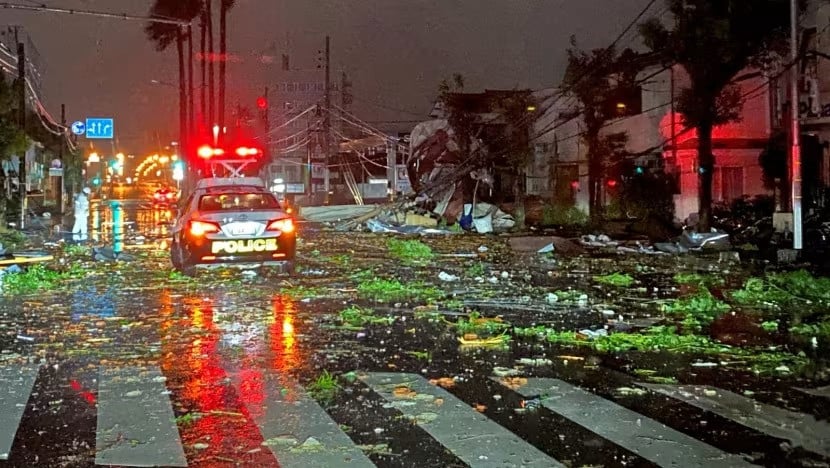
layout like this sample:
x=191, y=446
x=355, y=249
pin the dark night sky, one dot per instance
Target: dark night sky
x=395, y=51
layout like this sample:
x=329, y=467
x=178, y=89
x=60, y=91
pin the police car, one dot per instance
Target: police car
x=232, y=221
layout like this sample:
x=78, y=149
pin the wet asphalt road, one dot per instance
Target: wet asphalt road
x=135, y=366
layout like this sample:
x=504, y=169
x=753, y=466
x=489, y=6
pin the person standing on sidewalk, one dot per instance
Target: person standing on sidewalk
x=79, y=230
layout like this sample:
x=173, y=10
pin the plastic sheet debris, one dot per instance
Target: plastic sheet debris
x=444, y=276
x=695, y=241
x=378, y=226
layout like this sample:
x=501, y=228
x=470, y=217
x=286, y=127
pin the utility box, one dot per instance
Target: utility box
x=782, y=221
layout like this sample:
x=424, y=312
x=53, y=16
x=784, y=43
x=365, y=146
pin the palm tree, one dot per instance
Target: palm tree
x=165, y=34
x=203, y=67
x=223, y=54
x=208, y=9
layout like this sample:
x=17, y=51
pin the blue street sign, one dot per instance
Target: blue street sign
x=78, y=128
x=100, y=128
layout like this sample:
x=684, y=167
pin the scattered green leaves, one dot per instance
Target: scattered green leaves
x=11, y=240
x=324, y=388
x=38, y=278
x=616, y=279
x=701, y=306
x=698, y=279
x=410, y=251
x=358, y=317
x=393, y=290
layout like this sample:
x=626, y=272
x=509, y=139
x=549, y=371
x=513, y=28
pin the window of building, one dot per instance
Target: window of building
x=730, y=183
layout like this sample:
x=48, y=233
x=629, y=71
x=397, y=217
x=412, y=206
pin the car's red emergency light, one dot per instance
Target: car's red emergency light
x=245, y=151
x=208, y=152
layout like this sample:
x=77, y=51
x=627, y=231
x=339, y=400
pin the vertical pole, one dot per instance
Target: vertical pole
x=117, y=229
x=308, y=150
x=265, y=153
x=795, y=153
x=59, y=200
x=191, y=127
x=673, y=128
x=21, y=174
x=391, y=169
x=327, y=127
x=210, y=58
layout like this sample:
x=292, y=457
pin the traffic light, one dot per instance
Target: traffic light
x=262, y=103
x=611, y=183
x=96, y=181
x=639, y=170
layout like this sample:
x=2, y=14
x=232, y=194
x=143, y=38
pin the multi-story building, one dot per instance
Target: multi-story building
x=37, y=164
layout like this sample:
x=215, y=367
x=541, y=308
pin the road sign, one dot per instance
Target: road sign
x=100, y=128
x=78, y=128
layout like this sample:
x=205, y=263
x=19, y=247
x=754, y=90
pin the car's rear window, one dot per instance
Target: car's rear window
x=238, y=201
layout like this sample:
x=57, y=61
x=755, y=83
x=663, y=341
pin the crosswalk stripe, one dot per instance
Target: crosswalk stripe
x=800, y=429
x=823, y=392
x=294, y=427
x=136, y=424
x=468, y=434
x=646, y=437
x=17, y=384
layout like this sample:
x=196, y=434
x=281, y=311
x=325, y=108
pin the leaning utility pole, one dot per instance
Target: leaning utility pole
x=327, y=126
x=795, y=151
x=21, y=172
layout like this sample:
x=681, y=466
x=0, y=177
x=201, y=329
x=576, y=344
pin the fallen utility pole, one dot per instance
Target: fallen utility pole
x=103, y=14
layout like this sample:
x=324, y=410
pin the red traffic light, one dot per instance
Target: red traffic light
x=261, y=102
x=575, y=184
x=612, y=183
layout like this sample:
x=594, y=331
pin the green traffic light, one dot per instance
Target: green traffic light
x=639, y=170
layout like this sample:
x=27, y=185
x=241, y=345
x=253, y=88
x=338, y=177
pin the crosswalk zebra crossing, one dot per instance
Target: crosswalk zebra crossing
x=135, y=423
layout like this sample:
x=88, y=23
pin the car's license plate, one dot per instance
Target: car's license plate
x=241, y=229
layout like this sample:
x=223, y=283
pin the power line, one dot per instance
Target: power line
x=49, y=9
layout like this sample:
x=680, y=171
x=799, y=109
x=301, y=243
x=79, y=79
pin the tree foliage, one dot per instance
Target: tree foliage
x=162, y=35
x=12, y=139
x=714, y=40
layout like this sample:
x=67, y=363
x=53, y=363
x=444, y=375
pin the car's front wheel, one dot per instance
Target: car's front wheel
x=288, y=268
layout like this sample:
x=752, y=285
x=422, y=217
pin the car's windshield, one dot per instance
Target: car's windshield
x=238, y=202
